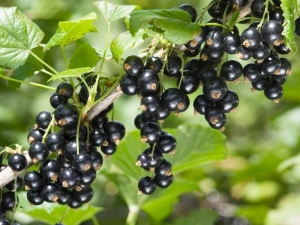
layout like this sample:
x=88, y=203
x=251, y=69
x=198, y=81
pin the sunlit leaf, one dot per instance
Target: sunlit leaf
x=18, y=36
x=71, y=73
x=289, y=12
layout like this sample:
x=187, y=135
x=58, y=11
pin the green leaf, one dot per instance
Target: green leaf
x=18, y=36
x=233, y=18
x=289, y=12
x=28, y=69
x=196, y=145
x=108, y=54
x=70, y=31
x=124, y=41
x=175, y=23
x=84, y=56
x=71, y=73
x=161, y=203
x=51, y=213
x=114, y=12
x=201, y=217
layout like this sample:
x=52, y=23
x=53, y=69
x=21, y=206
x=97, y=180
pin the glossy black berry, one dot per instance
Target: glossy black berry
x=262, y=51
x=50, y=192
x=34, y=135
x=55, y=100
x=285, y=67
x=231, y=70
x=100, y=120
x=173, y=99
x=164, y=169
x=215, y=40
x=64, y=90
x=200, y=104
x=277, y=14
x=147, y=185
x=66, y=115
x=162, y=113
x=17, y=162
x=70, y=134
x=251, y=72
x=87, y=178
x=164, y=181
x=55, y=143
x=231, y=43
x=215, y=89
x=210, y=54
x=43, y=119
x=213, y=114
x=191, y=10
x=150, y=132
x=16, y=184
x=189, y=82
x=282, y=49
x=237, y=3
x=149, y=82
x=63, y=162
x=33, y=180
x=70, y=149
x=98, y=137
x=84, y=94
x=217, y=10
x=271, y=32
x=154, y=63
x=8, y=200
x=258, y=8
x=4, y=222
x=273, y=91
x=271, y=65
x=74, y=204
x=191, y=52
x=129, y=85
x=229, y=103
x=166, y=143
x=196, y=42
x=65, y=196
x=244, y=53
x=173, y=66
x=34, y=197
x=38, y=152
x=69, y=178
x=150, y=103
x=97, y=159
x=50, y=170
x=82, y=162
x=211, y=27
x=260, y=84
x=133, y=65
x=115, y=131
x=83, y=196
x=251, y=38
x=206, y=74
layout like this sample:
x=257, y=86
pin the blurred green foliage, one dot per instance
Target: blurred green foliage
x=259, y=181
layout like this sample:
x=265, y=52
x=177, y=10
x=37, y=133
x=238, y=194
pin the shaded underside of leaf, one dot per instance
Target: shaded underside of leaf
x=289, y=13
x=18, y=36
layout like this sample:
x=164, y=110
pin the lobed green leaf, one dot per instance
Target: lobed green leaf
x=289, y=12
x=31, y=66
x=124, y=41
x=115, y=12
x=18, y=36
x=84, y=56
x=70, y=31
x=175, y=23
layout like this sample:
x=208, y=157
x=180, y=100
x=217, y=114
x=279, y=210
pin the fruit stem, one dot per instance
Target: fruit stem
x=43, y=62
x=64, y=56
x=48, y=129
x=29, y=83
x=264, y=15
x=165, y=61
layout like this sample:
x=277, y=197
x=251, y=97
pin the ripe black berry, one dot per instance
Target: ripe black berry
x=129, y=85
x=17, y=162
x=231, y=70
x=154, y=63
x=189, y=82
x=271, y=65
x=251, y=38
x=150, y=132
x=50, y=192
x=34, y=135
x=232, y=42
x=133, y=65
x=97, y=159
x=164, y=169
x=55, y=143
x=34, y=197
x=262, y=51
x=149, y=82
x=43, y=119
x=69, y=178
x=217, y=10
x=66, y=115
x=70, y=149
x=297, y=26
x=100, y=120
x=229, y=103
x=271, y=32
x=200, y=104
x=215, y=40
x=55, y=100
x=251, y=72
x=214, y=89
x=38, y=152
x=83, y=196
x=65, y=196
x=147, y=185
x=98, y=137
x=70, y=134
x=164, y=181
x=190, y=9
x=166, y=143
x=173, y=99
x=16, y=184
x=173, y=66
x=150, y=103
x=8, y=200
x=273, y=91
x=64, y=90
x=82, y=162
x=115, y=131
x=50, y=170
x=33, y=181
x=196, y=42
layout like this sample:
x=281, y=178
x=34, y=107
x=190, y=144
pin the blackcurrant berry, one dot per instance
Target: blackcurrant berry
x=82, y=162
x=252, y=72
x=63, y=162
x=64, y=90
x=100, y=120
x=262, y=51
x=8, y=200
x=133, y=65
x=129, y=85
x=251, y=38
x=50, y=170
x=213, y=55
x=260, y=84
x=17, y=162
x=273, y=91
x=164, y=169
x=150, y=103
x=34, y=197
x=189, y=82
x=237, y=3
x=33, y=181
x=115, y=131
x=55, y=100
x=206, y=74
x=34, y=135
x=55, y=143
x=277, y=14
x=282, y=49
x=16, y=184
x=164, y=181
x=191, y=10
x=84, y=94
x=244, y=53
x=166, y=143
x=196, y=42
x=65, y=196
x=297, y=26
x=97, y=159
x=173, y=99
x=215, y=40
x=271, y=65
x=150, y=132
x=43, y=119
x=271, y=32
x=231, y=70
x=70, y=134
x=71, y=149
x=83, y=196
x=215, y=89
x=66, y=115
x=229, y=103
x=217, y=10
x=214, y=114
x=38, y=152
x=173, y=66
x=149, y=82
x=231, y=43
x=147, y=185
x=69, y=178
x=200, y=104
x=154, y=63
x=98, y=137
x=50, y=192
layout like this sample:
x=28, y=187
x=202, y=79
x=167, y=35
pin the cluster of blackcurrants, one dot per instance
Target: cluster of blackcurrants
x=8, y=200
x=65, y=148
